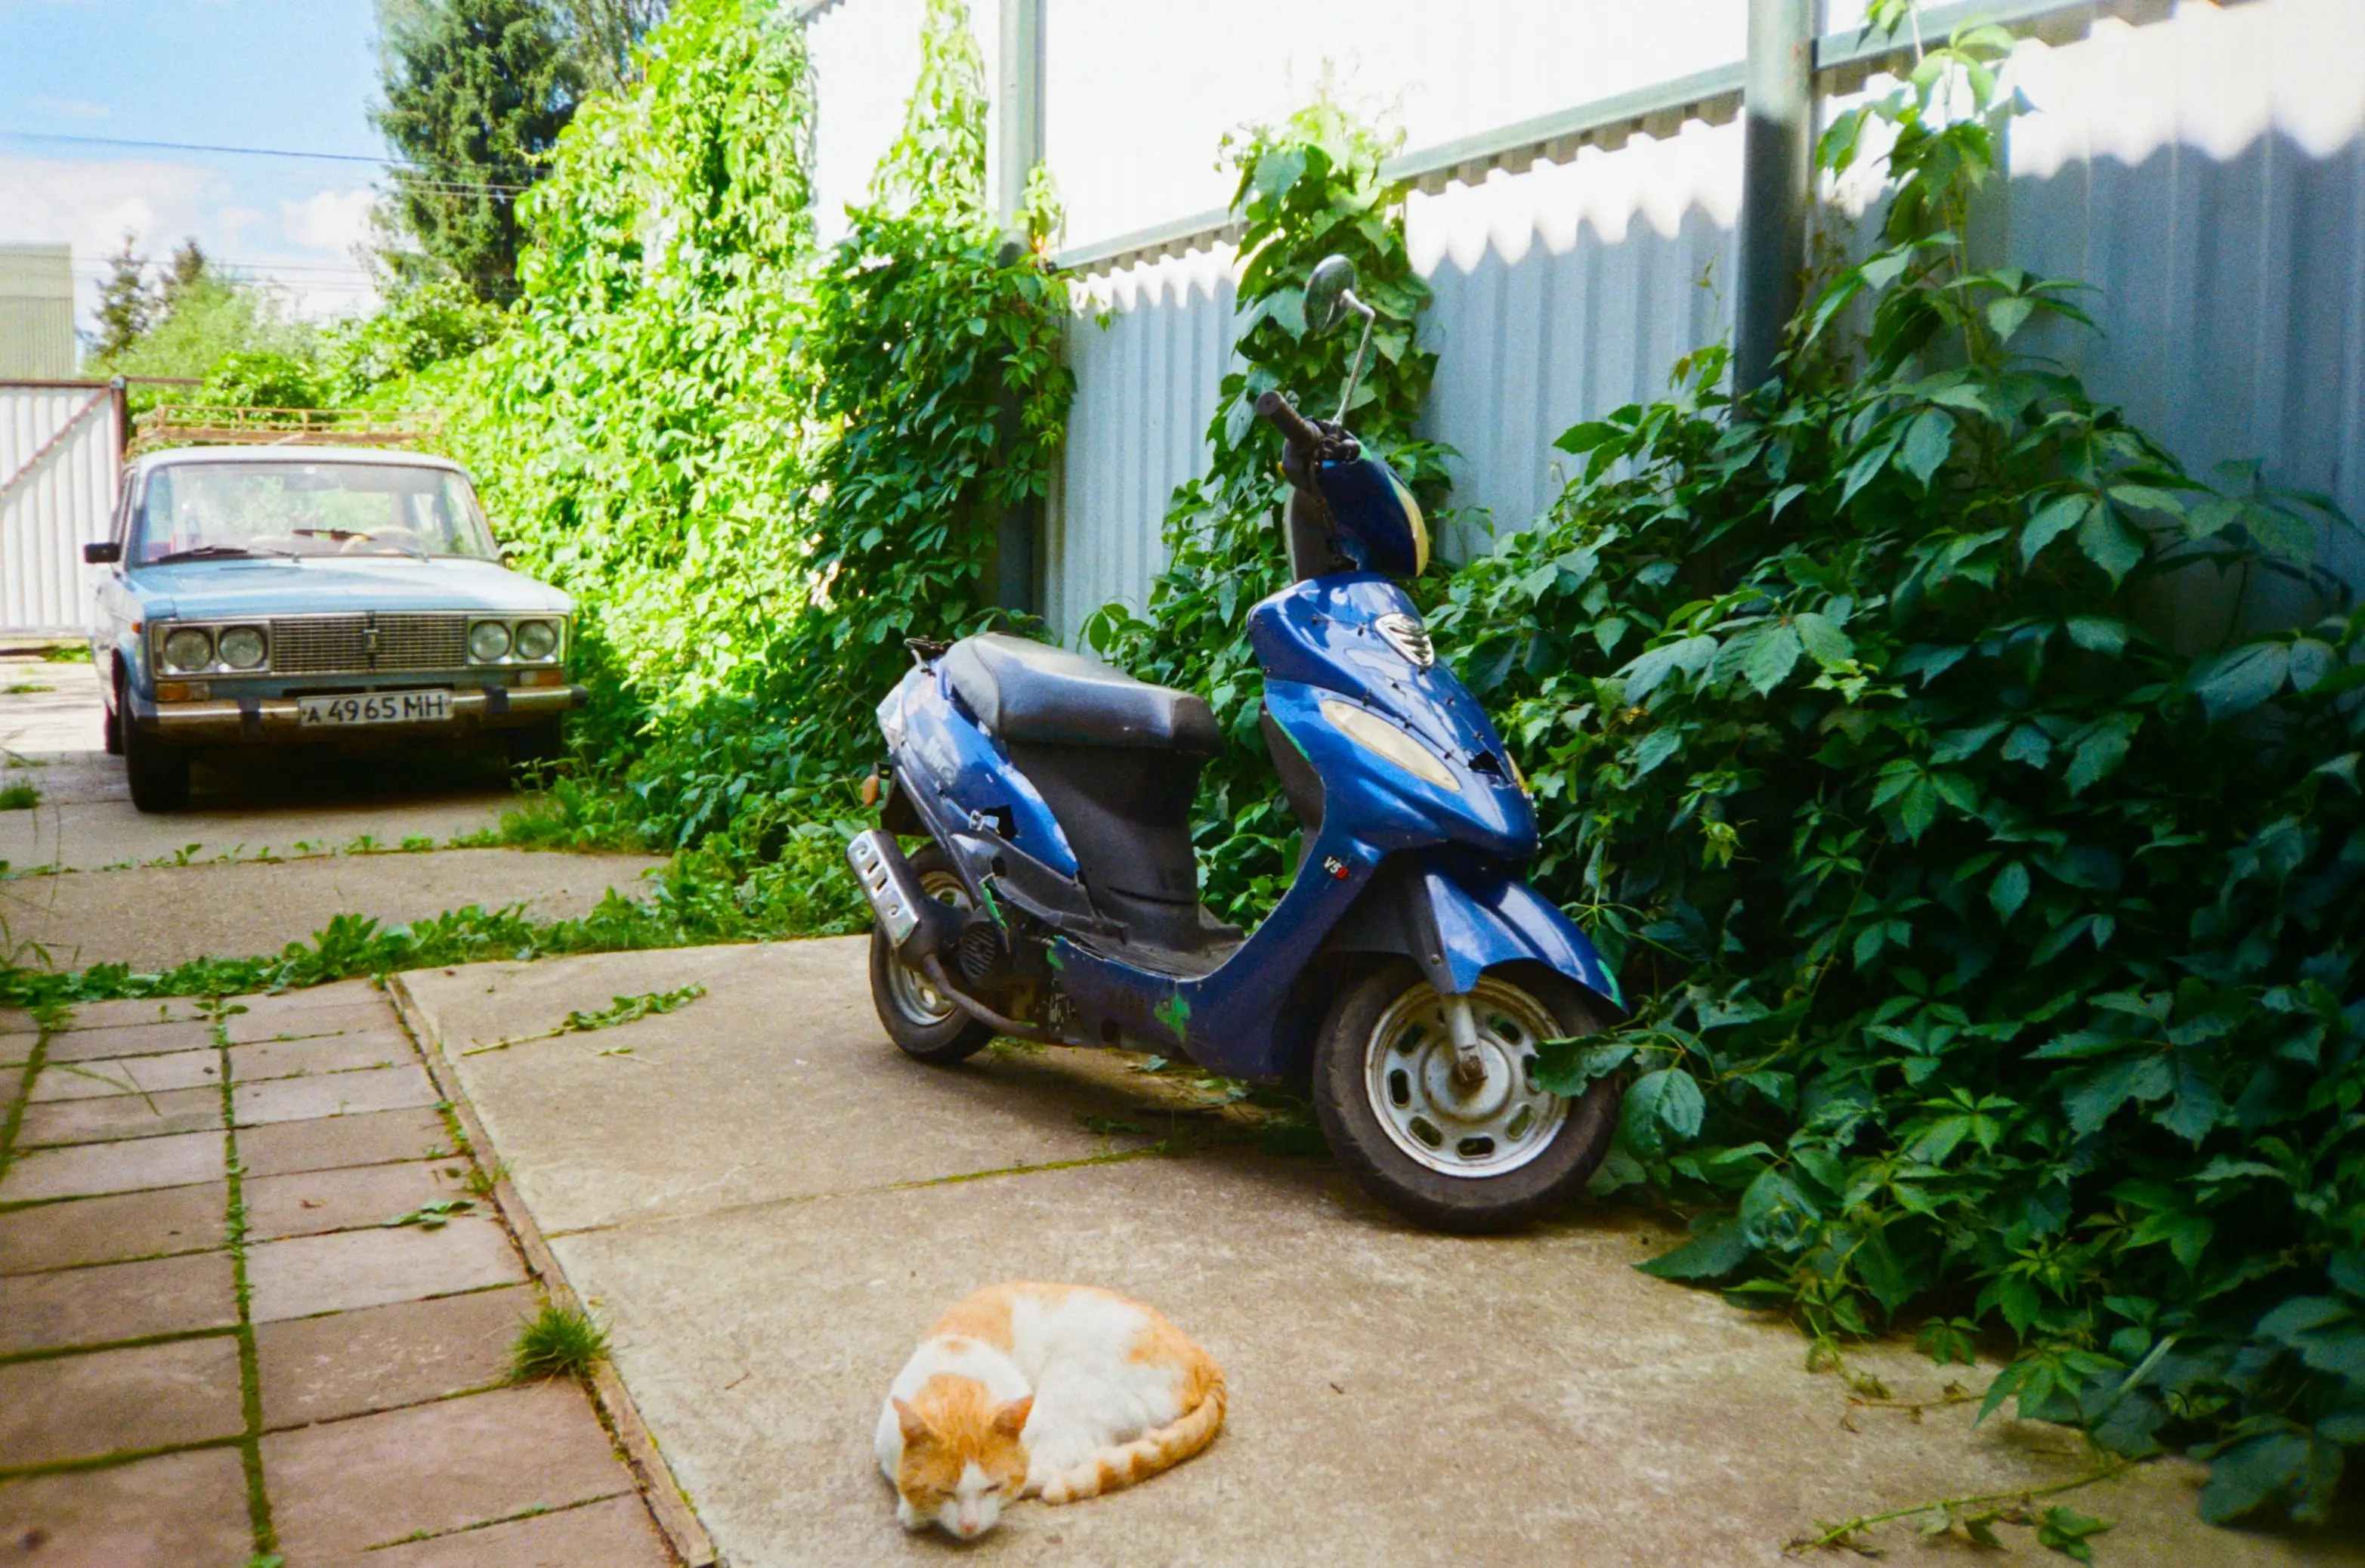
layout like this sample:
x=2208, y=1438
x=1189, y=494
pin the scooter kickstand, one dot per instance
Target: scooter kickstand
x=1469, y=1065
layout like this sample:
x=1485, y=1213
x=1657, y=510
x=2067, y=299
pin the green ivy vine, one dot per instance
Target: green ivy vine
x=1308, y=188
x=1998, y=936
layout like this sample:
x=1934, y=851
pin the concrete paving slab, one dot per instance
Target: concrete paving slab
x=777, y=1084
x=154, y=918
x=47, y=707
x=289, y=1014
x=65, y=1408
x=178, y=1510
x=132, y=1165
x=333, y=1094
x=381, y=1358
x=139, y=1010
x=95, y=1042
x=348, y=1269
x=388, y=1046
x=116, y=1300
x=1427, y=1399
x=17, y=1046
x=764, y=1263
x=348, y=1485
x=320, y=1200
x=128, y=1075
x=373, y=1016
x=372, y=1139
x=119, y=1117
x=107, y=1230
x=614, y=1534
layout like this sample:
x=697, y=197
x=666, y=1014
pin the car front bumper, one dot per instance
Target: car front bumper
x=277, y=719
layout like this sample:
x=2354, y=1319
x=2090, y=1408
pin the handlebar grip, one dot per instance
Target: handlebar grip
x=1274, y=409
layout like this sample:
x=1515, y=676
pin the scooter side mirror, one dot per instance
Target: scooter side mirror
x=1327, y=291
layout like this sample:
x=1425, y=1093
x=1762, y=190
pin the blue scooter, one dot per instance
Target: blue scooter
x=1409, y=970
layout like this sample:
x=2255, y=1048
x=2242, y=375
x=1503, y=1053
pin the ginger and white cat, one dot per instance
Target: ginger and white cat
x=1057, y=1390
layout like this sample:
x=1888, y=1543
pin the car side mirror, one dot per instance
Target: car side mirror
x=104, y=553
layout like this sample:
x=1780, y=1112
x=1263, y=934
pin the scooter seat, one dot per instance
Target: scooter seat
x=1022, y=690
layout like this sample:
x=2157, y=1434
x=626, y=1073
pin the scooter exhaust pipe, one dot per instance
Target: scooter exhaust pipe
x=917, y=926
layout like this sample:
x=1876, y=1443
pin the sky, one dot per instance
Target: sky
x=293, y=75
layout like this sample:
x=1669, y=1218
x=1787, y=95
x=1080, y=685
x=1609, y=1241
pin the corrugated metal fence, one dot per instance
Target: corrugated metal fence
x=60, y=443
x=2203, y=169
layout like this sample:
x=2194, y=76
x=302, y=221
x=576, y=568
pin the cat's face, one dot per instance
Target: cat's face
x=961, y=1464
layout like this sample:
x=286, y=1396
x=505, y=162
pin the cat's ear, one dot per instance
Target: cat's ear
x=915, y=1426
x=1011, y=1420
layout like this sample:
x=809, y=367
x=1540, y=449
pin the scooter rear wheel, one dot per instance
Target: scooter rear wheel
x=921, y=1021
x=1484, y=1157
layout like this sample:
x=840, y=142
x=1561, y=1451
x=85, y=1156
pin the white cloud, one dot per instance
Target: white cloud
x=305, y=247
x=336, y=222
x=69, y=108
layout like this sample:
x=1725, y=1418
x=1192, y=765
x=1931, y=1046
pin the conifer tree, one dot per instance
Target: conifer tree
x=476, y=92
x=125, y=308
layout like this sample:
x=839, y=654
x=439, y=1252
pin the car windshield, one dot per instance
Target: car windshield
x=308, y=509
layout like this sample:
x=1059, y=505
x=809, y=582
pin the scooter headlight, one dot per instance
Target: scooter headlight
x=1375, y=734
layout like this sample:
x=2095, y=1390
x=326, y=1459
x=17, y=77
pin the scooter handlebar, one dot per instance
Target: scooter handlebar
x=1274, y=409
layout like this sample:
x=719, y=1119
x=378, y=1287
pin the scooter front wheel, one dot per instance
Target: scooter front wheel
x=924, y=1022
x=1458, y=1151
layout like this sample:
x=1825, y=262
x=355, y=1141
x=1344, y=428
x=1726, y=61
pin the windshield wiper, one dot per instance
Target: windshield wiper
x=211, y=551
x=343, y=533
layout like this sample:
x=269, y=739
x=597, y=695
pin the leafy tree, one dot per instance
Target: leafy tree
x=210, y=316
x=477, y=93
x=125, y=306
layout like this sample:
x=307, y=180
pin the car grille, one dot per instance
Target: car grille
x=324, y=644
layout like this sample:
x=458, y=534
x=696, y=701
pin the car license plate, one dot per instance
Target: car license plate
x=375, y=708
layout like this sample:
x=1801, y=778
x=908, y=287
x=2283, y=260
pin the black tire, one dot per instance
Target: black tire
x=159, y=773
x=110, y=729
x=1471, y=1204
x=939, y=1038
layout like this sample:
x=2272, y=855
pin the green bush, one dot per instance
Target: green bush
x=1998, y=944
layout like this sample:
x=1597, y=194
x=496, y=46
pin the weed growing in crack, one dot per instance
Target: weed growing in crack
x=557, y=1343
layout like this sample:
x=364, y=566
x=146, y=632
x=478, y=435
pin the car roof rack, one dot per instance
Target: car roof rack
x=191, y=424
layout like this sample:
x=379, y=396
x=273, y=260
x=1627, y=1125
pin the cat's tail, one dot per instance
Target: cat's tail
x=1113, y=1469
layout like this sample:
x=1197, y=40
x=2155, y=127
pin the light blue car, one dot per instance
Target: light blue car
x=306, y=595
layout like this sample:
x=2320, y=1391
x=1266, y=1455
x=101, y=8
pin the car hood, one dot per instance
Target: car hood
x=330, y=585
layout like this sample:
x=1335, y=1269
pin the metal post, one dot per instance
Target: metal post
x=1014, y=137
x=1013, y=145
x=1776, y=149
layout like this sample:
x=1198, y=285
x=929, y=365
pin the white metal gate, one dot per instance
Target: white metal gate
x=60, y=446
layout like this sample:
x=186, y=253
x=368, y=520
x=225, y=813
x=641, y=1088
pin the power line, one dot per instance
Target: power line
x=401, y=165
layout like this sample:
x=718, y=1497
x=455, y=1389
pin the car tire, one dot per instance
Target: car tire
x=110, y=730
x=159, y=773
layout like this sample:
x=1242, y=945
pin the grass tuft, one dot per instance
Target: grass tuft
x=557, y=1343
x=19, y=797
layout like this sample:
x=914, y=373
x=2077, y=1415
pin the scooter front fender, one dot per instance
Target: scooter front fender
x=1457, y=917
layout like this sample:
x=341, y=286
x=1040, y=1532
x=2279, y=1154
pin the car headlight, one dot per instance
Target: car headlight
x=1376, y=734
x=243, y=648
x=188, y=648
x=488, y=641
x=536, y=639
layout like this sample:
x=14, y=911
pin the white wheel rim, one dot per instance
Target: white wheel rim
x=916, y=996
x=1489, y=1129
